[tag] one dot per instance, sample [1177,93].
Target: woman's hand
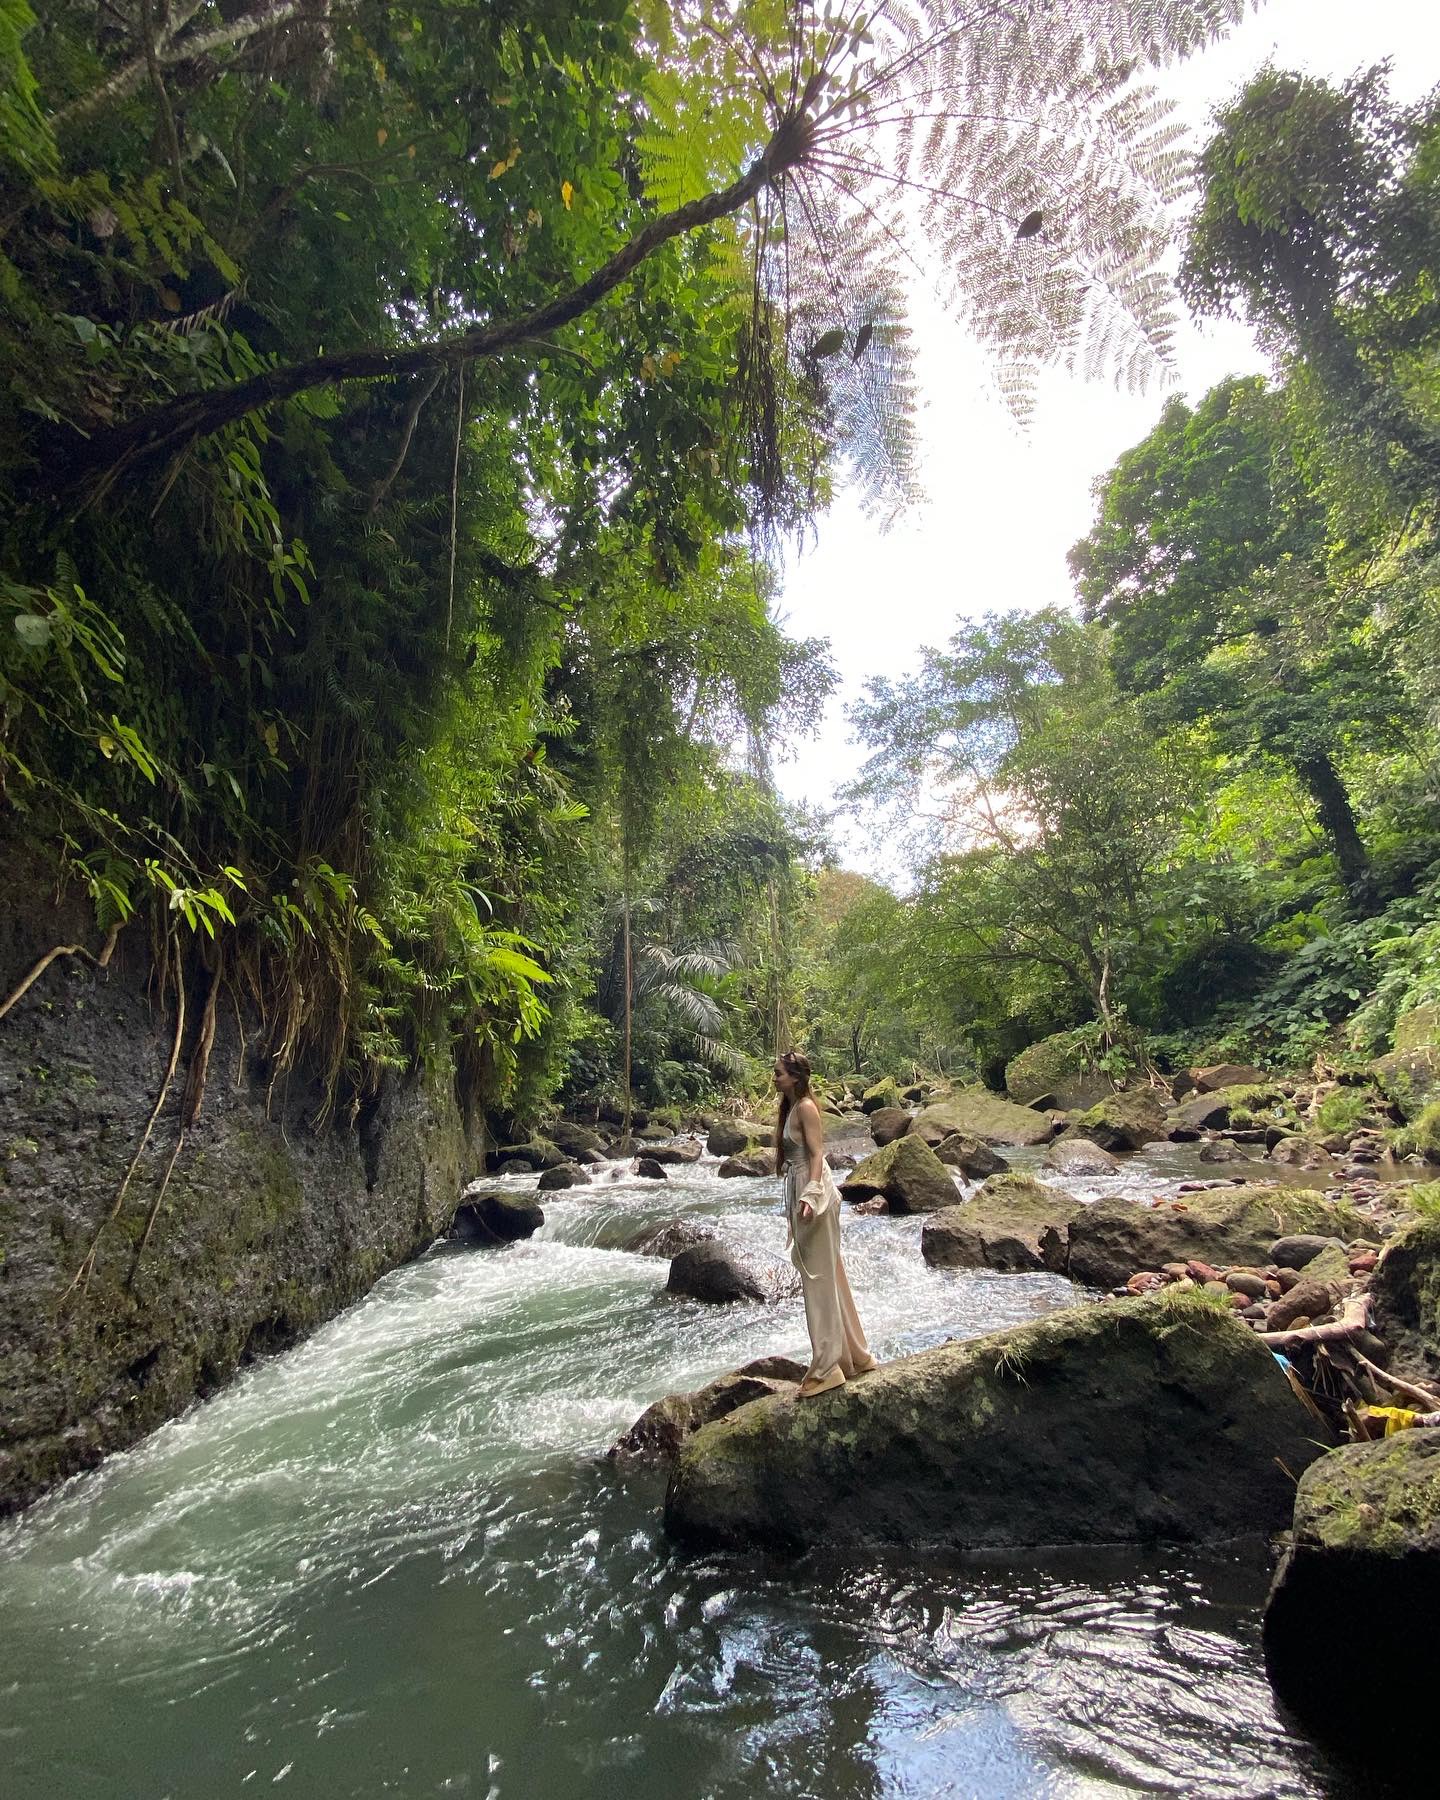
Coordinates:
[807,1212]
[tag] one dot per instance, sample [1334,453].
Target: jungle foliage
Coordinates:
[1201,811]
[402,404]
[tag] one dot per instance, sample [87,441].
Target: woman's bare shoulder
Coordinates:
[807,1110]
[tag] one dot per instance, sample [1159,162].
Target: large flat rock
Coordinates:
[979,1113]
[1154,1420]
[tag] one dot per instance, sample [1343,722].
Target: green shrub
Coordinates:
[1421,1136]
[1425,1198]
[1343,1110]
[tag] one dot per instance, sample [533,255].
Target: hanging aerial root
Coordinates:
[81,1277]
[96,962]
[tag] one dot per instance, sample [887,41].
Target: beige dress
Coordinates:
[836,1338]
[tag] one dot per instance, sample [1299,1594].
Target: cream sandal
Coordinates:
[823,1384]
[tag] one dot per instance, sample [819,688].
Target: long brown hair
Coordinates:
[793,1063]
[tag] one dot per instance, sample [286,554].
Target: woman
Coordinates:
[838,1351]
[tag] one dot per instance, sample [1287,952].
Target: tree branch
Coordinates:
[180,422]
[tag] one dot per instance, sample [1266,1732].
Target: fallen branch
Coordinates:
[1422,1395]
[1354,1319]
[96,962]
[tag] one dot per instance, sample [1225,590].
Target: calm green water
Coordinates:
[394,1561]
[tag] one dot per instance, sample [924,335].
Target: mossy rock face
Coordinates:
[884,1093]
[1157,1420]
[1419,1028]
[1411,1078]
[1366,1547]
[1125,1121]
[1405,1295]
[1013,1224]
[1057,1069]
[980,1114]
[1227,1227]
[909,1175]
[268,1227]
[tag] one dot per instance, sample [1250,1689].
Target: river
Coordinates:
[394,1560]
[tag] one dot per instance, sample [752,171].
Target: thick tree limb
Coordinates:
[1354,1318]
[180,422]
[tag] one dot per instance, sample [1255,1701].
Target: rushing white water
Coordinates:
[395,1561]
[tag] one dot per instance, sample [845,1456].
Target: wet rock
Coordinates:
[538,1152]
[1013,1224]
[884,1094]
[1125,1121]
[909,1175]
[496,1219]
[1295,1251]
[669,1239]
[978,1113]
[1226,1227]
[1364,1557]
[888,1123]
[1026,1437]
[683,1150]
[972,1158]
[1248,1283]
[841,1159]
[563,1175]
[590,1159]
[1405,1294]
[733,1137]
[753,1162]
[713,1272]
[1300,1153]
[1079,1156]
[656,1436]
[1221,1150]
[649,1168]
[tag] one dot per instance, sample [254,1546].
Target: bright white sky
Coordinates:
[1005,506]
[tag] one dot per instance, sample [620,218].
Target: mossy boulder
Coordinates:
[734,1137]
[909,1175]
[1364,1556]
[1058,1071]
[656,1436]
[1155,1420]
[1419,1028]
[884,1093]
[1013,1223]
[1405,1298]
[1125,1121]
[749,1162]
[539,1152]
[981,1114]
[566,1135]
[1226,1227]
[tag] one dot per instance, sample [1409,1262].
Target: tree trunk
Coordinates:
[1337,819]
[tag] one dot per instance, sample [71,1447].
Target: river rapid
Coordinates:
[394,1560]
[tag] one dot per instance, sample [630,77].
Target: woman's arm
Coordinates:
[812,1135]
